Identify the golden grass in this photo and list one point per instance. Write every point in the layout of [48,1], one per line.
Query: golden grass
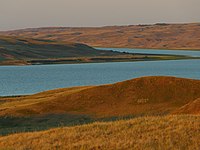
[147,95]
[141,96]
[162,133]
[47,96]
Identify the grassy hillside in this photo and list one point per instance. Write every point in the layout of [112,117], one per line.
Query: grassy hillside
[26,51]
[172,105]
[154,96]
[146,95]
[170,132]
[159,36]
[15,48]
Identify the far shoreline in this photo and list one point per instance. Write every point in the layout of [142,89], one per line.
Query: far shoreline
[168,49]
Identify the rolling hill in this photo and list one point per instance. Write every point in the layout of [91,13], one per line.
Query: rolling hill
[141,96]
[169,132]
[157,36]
[26,49]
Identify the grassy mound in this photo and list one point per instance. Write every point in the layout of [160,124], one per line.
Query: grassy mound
[146,95]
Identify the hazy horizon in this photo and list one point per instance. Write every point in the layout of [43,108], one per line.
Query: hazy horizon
[94,13]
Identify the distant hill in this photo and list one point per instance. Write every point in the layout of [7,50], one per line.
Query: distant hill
[169,132]
[159,36]
[141,96]
[26,51]
[15,48]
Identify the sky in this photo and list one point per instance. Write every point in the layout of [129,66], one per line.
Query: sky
[18,14]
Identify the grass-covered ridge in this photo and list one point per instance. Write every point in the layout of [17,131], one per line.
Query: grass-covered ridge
[155,36]
[169,132]
[26,49]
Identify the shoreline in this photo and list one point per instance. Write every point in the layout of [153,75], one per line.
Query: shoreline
[167,49]
[106,59]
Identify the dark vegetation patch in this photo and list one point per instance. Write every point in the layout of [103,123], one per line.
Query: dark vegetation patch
[11,125]
[28,49]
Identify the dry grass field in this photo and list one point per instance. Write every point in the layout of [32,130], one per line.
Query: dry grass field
[157,36]
[162,133]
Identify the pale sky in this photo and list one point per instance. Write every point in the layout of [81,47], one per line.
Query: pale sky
[16,14]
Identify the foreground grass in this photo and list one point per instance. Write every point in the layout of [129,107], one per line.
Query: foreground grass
[169,132]
[13,125]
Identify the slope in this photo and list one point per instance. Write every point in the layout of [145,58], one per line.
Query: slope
[26,49]
[190,108]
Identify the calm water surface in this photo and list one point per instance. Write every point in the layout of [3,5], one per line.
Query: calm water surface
[151,51]
[18,80]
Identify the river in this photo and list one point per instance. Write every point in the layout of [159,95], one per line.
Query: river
[23,80]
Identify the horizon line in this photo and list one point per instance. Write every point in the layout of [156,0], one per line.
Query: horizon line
[101,26]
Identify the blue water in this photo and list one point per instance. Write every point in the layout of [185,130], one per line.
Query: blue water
[20,80]
[151,51]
